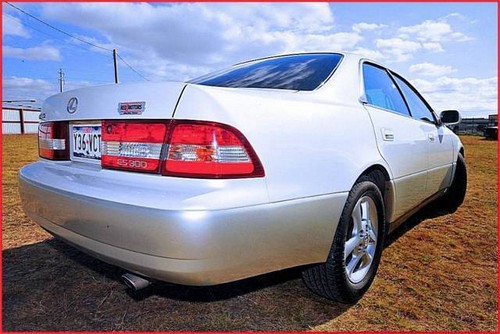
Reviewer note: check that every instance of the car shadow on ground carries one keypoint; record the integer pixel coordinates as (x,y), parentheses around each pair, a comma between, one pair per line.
(52,286)
(430,211)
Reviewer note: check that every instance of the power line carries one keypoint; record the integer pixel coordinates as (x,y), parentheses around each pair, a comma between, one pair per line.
(77,38)
(50,35)
(57,29)
(58,38)
(133,69)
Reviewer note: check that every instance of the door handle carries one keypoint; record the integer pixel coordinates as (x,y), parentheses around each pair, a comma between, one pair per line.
(387,134)
(431,137)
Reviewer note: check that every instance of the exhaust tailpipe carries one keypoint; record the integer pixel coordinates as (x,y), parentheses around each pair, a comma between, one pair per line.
(135,282)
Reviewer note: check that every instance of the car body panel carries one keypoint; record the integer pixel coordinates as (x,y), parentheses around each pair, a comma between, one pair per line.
(441,155)
(405,151)
(316,135)
(101,102)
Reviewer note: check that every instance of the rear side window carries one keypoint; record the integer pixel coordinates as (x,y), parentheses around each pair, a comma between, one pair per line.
(419,109)
(297,72)
(381,91)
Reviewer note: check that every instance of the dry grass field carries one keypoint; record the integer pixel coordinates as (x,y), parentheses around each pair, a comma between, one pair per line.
(438,273)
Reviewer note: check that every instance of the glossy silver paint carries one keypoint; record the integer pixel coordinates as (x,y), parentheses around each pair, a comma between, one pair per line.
(313,145)
(219,230)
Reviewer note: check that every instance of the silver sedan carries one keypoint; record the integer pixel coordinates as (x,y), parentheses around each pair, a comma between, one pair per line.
(303,159)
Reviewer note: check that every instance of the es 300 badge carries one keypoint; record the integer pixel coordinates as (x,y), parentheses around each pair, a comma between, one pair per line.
(131,108)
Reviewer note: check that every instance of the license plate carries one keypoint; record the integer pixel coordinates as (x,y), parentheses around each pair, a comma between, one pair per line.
(86,143)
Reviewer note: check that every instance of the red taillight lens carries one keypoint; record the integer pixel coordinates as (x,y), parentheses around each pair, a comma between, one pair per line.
(53,140)
(178,148)
(132,146)
(209,150)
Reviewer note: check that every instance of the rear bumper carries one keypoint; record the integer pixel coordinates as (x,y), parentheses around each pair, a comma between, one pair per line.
(195,232)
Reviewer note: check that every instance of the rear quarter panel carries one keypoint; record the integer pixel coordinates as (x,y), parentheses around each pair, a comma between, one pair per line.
(309,144)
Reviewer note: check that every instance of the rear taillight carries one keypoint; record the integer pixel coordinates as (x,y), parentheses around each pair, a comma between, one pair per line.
(209,150)
(52,140)
(132,146)
(179,148)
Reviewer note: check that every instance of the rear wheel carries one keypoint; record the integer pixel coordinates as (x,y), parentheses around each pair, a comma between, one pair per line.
(356,250)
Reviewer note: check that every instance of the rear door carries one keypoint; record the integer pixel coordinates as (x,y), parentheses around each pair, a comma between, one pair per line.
(401,139)
(440,144)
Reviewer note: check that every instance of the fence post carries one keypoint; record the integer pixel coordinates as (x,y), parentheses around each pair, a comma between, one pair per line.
(21,120)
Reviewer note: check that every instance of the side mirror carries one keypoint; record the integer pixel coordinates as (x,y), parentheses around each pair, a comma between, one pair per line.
(450,117)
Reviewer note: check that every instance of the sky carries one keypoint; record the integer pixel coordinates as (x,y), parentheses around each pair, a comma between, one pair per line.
(448,51)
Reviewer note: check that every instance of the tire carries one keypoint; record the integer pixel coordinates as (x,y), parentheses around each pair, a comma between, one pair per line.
(332,279)
(455,195)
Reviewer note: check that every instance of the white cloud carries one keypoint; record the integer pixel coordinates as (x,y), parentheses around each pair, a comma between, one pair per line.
(74,84)
(369,53)
(30,88)
(428,30)
(335,42)
(428,35)
(203,35)
(25,83)
(454,15)
(471,96)
(433,47)
(362,26)
(432,31)
(13,26)
(181,41)
(459,37)
(100,45)
(27,88)
(43,52)
(431,70)
(398,49)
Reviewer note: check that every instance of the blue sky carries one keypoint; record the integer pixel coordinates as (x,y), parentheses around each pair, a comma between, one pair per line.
(447,50)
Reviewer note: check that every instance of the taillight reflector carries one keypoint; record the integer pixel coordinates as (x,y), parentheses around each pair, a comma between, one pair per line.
(52,140)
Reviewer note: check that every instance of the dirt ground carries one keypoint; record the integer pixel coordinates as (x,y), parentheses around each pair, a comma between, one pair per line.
(438,273)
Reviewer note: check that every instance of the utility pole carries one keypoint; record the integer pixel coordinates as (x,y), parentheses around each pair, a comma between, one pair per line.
(116,67)
(61,80)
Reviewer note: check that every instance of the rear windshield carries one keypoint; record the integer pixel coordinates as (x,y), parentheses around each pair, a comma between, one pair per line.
(296,72)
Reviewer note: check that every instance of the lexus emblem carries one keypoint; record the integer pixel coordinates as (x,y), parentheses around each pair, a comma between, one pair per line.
(72,105)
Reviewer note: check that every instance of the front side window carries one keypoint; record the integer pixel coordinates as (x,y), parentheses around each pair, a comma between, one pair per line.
(381,91)
(419,109)
(296,72)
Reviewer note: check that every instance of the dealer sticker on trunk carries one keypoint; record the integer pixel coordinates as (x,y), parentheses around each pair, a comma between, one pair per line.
(131,108)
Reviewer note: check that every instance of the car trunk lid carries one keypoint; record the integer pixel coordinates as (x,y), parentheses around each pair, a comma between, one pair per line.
(122,101)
